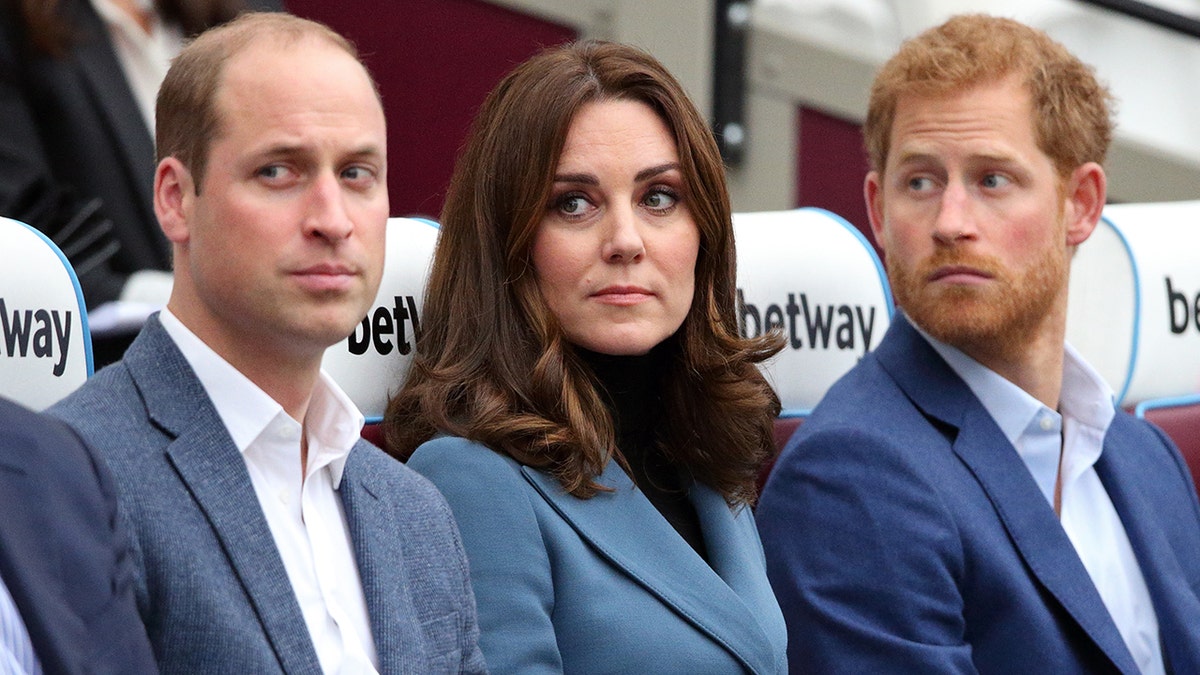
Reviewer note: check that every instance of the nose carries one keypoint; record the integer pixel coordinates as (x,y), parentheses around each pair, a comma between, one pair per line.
(956,218)
(326,215)
(624,243)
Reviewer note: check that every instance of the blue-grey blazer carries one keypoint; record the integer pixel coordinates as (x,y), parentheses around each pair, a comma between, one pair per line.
(904,534)
(212,589)
(604,585)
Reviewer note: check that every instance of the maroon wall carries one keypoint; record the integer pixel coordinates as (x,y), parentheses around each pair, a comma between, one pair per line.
(435,61)
(831,166)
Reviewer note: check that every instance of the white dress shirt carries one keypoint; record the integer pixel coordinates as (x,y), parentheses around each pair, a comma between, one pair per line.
(16,650)
(1040,436)
(144,56)
(301,504)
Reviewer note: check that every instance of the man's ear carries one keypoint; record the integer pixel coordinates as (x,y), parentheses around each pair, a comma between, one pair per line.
(1086,191)
(873,194)
(174,197)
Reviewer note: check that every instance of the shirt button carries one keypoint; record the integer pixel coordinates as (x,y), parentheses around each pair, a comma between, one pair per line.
(1046,423)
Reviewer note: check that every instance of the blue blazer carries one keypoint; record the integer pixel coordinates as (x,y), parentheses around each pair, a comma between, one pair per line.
(604,585)
(212,588)
(903,533)
(63,554)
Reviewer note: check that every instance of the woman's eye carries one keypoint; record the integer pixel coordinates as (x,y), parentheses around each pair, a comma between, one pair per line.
(572,204)
(660,200)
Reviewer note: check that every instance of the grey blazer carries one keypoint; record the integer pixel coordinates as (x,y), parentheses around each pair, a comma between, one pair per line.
(212,588)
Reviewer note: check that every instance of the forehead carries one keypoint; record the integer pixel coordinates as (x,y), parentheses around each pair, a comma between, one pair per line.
(991,117)
(275,79)
(621,128)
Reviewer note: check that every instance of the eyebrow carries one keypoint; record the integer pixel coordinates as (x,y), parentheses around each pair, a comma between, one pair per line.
(291,149)
(589,179)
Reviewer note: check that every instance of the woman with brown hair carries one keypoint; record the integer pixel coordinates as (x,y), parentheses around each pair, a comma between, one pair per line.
(580,393)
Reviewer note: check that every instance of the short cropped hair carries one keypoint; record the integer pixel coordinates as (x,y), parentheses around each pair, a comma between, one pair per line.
(187,120)
(1072,110)
(492,362)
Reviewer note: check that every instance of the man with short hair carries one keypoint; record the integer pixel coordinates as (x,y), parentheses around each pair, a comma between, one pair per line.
(968,498)
(269,537)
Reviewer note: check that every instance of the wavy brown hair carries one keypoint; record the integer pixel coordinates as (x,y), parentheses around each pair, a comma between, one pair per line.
(492,363)
(1072,114)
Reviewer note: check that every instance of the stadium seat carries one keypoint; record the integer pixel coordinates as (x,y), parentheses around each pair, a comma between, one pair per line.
(371,363)
(45,348)
(1180,419)
(814,276)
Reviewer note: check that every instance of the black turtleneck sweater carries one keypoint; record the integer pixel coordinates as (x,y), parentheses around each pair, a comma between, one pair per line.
(631,388)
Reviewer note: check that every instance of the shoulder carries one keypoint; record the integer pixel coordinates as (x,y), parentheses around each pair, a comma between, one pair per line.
(450,461)
(494,503)
(51,447)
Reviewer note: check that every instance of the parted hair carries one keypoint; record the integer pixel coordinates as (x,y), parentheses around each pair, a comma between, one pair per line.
(1072,110)
(492,363)
(186,111)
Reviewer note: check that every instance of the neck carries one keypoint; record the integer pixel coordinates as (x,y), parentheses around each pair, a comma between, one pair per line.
(285,372)
(140,12)
(631,388)
(1033,362)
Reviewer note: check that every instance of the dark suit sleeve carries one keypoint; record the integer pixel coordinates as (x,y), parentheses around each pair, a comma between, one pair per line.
(864,558)
(65,556)
(120,629)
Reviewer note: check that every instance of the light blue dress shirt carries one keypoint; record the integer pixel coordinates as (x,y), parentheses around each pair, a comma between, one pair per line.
(16,649)
(1041,436)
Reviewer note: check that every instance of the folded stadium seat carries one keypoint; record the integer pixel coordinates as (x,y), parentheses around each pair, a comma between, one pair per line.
(371,363)
(45,348)
(813,276)
(1180,419)
(1135,312)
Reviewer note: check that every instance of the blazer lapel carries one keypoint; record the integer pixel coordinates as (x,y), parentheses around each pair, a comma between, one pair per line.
(378,550)
(104,81)
(213,470)
(1175,601)
(1022,509)
(628,532)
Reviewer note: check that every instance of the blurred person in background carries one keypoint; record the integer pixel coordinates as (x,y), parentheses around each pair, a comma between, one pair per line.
(78,80)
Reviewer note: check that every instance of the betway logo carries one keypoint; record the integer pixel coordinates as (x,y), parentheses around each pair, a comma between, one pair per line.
(40,333)
(824,327)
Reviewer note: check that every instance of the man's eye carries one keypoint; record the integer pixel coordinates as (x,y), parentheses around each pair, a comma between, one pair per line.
(919,183)
(271,172)
(995,180)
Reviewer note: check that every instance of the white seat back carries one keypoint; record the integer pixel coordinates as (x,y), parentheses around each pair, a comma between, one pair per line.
(815,276)
(371,363)
(1134,309)
(45,348)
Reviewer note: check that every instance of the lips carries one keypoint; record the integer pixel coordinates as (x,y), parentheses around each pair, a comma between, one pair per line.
(622,295)
(959,274)
(326,276)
